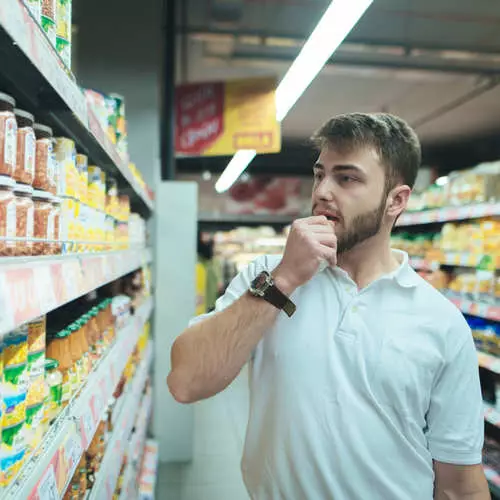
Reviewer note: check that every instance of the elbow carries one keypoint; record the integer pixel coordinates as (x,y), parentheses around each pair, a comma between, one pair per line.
(179,389)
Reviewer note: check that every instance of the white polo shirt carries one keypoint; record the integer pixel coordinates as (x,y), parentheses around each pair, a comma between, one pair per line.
(356,394)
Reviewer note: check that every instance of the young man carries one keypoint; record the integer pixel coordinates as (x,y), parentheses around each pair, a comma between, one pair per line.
(364,379)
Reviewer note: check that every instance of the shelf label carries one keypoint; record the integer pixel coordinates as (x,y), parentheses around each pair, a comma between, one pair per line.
(45,288)
(22,294)
(47,489)
(73,452)
(7,316)
(87,427)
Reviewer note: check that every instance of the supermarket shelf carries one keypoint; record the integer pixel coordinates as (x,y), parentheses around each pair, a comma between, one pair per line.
(230,221)
(449,214)
(147,478)
(33,286)
(136,450)
(53,464)
(493,478)
(460,259)
(489,362)
(109,470)
(477,308)
(39,81)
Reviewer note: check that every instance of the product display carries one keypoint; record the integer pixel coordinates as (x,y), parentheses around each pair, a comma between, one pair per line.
(63,30)
(26,147)
(25,210)
(8,135)
(8,220)
(48,17)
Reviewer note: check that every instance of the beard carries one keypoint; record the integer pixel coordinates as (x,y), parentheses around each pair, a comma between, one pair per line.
(362,227)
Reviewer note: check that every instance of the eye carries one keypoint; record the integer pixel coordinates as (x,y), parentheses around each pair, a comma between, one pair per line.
(346,179)
(318,176)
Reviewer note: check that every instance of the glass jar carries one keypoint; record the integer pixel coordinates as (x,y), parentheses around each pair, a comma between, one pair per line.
(58,348)
(43,222)
(45,163)
(26,147)
(25,209)
(8,223)
(8,135)
(84,347)
(56,214)
(54,381)
(76,356)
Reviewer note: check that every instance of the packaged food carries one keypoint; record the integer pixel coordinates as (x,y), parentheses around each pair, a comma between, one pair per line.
(35,8)
(37,331)
(24,219)
(8,135)
(63,30)
(15,347)
(54,382)
(76,355)
(65,154)
(11,453)
(83,175)
(33,430)
(56,214)
(8,222)
(26,147)
(45,163)
(43,222)
(58,348)
(14,403)
(95,187)
(49,19)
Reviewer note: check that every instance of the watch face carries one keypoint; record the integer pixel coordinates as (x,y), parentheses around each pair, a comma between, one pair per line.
(261,283)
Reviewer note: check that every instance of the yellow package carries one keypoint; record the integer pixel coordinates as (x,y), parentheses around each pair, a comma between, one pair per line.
(15,347)
(65,154)
(96,189)
(36,334)
(12,452)
(83,177)
(33,431)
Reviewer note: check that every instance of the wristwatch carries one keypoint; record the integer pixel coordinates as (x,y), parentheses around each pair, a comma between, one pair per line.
(263,286)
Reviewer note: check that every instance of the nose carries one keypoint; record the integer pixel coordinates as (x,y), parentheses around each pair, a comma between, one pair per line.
(324,190)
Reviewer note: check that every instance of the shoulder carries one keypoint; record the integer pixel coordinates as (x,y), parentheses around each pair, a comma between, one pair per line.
(442,314)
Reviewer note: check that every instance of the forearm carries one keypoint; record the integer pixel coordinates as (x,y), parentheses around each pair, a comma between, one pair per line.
(209,355)
(460,483)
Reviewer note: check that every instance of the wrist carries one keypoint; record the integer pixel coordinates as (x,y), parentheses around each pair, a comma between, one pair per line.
(285,284)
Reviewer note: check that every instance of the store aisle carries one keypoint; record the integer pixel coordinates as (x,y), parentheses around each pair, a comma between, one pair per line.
(214,473)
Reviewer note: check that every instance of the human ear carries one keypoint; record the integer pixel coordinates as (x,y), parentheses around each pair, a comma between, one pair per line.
(397,200)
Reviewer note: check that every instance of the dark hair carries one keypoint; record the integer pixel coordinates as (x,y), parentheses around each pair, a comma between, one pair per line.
(395,142)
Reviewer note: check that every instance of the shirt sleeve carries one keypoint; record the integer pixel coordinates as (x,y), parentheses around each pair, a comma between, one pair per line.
(455,419)
(240,284)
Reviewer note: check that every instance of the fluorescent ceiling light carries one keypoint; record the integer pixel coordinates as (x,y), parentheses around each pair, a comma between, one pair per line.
(234,169)
(441,181)
(337,21)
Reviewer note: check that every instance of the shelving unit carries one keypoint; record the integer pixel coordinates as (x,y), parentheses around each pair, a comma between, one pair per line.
(105,484)
(449,214)
(72,432)
(147,477)
(35,75)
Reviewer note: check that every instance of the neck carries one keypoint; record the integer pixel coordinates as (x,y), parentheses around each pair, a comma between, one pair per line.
(369,260)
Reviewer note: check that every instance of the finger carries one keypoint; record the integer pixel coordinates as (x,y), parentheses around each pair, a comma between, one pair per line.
(328,240)
(329,254)
(316,219)
(328,229)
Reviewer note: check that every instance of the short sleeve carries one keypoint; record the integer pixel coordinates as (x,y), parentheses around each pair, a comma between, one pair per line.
(455,419)
(240,284)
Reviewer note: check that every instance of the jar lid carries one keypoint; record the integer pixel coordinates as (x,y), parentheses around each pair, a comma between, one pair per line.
(7,182)
(23,188)
(43,128)
(51,364)
(42,195)
(61,334)
(8,99)
(24,114)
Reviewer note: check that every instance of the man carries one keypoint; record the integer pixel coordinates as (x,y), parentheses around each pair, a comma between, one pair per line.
(370,390)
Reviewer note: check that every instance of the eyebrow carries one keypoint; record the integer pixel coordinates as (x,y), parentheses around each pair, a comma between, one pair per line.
(340,168)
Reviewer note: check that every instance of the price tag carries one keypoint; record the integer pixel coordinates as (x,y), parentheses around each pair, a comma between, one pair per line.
(73,451)
(493,313)
(87,426)
(45,288)
(47,489)
(22,294)
(7,316)
(71,283)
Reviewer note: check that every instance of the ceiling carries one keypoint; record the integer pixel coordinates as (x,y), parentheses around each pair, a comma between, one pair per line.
(436,63)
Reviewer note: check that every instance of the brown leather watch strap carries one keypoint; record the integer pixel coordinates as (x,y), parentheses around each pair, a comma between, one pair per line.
(276,297)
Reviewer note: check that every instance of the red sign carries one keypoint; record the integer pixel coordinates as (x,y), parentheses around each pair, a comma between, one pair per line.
(199,112)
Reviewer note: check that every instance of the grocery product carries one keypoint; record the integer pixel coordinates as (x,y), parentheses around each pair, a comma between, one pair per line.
(83,177)
(35,9)
(54,382)
(37,334)
(43,222)
(36,361)
(24,219)
(48,19)
(33,430)
(63,30)
(8,135)
(96,188)
(56,215)
(8,222)
(24,170)
(44,178)
(58,348)
(12,452)
(65,155)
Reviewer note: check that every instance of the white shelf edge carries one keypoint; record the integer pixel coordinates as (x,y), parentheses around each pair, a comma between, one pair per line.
(65,423)
(151,471)
(110,465)
(37,283)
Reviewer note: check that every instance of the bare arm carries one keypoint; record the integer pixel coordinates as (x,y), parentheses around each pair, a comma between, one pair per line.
(209,355)
(460,482)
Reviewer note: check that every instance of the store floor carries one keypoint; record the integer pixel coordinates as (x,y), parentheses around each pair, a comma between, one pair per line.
(214,473)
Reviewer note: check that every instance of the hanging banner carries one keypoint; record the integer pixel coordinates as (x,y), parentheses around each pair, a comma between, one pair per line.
(218,118)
